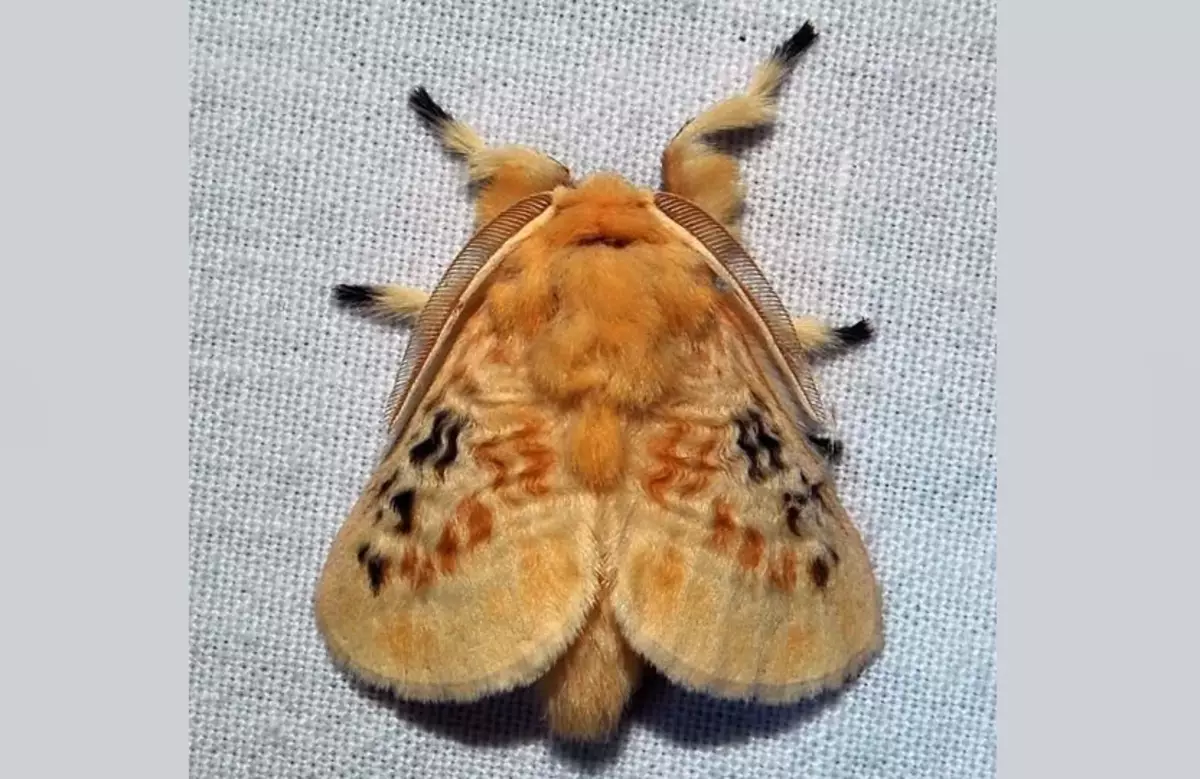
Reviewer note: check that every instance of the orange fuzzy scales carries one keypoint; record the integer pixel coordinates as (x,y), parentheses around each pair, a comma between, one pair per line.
(782,573)
(478,520)
(751,552)
(701,469)
(606,301)
(597,446)
(724,527)
(447,550)
(416,569)
(521,457)
(691,471)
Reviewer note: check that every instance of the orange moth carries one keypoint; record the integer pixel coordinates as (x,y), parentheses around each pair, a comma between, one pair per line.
(606,451)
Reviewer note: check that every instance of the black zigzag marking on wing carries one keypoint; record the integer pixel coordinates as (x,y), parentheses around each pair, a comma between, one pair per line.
(431,444)
(768,441)
(748,443)
(449,451)
(441,446)
(761,445)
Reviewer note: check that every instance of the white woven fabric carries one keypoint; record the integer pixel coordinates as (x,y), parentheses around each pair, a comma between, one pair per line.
(873,197)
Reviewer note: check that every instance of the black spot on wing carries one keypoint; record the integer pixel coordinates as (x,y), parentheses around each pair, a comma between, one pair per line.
(766,439)
(402,504)
(818,569)
(426,448)
(795,504)
(361,554)
(748,443)
(796,498)
(793,519)
(377,566)
(757,439)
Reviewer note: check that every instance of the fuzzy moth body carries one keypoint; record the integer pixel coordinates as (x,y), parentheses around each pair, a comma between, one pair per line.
(606,450)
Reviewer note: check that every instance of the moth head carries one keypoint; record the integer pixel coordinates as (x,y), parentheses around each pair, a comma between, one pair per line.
(603,212)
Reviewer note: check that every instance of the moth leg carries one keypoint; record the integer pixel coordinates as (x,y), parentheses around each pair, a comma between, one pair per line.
(708,177)
(505,173)
(819,338)
(388,303)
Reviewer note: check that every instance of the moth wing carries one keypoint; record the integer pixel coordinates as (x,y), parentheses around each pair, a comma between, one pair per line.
(468,564)
(756,309)
(739,572)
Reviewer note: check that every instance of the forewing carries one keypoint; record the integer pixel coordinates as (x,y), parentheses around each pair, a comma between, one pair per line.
(739,573)
(757,312)
(468,564)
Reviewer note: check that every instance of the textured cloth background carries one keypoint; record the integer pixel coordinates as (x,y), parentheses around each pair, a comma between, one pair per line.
(873,197)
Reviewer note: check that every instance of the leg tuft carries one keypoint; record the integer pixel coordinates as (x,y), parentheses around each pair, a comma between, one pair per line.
(432,114)
(858,333)
(793,47)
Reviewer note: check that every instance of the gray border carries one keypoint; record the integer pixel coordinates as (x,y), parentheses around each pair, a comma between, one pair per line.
(95,362)
(1098,165)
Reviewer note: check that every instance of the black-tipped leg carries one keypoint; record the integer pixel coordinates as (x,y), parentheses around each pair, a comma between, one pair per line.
(355,296)
(860,332)
(793,47)
(430,112)
(821,340)
(384,302)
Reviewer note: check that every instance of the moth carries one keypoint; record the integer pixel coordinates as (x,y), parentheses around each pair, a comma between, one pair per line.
(606,450)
